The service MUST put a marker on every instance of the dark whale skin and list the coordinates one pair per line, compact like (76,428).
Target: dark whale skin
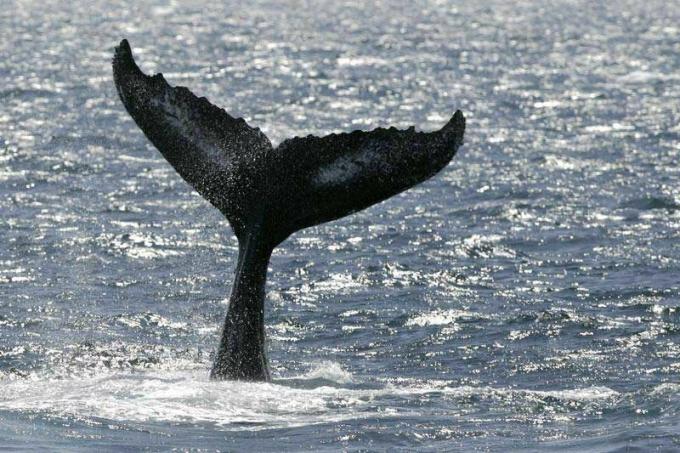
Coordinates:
(268,193)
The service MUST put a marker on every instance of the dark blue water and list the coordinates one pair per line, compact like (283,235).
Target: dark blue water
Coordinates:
(527,297)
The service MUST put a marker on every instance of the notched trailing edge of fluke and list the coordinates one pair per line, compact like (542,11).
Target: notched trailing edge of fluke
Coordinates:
(455,126)
(124,65)
(126,71)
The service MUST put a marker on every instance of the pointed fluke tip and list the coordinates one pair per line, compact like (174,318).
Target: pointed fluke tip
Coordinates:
(458,120)
(455,128)
(123,50)
(123,61)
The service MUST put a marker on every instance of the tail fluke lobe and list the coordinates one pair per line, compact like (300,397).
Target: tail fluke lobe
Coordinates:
(209,148)
(340,174)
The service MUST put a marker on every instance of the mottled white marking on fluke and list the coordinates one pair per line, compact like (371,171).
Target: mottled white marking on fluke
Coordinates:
(344,169)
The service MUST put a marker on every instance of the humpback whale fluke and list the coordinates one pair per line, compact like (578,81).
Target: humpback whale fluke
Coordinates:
(268,193)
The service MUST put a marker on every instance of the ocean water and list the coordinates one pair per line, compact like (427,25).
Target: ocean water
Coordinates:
(528,297)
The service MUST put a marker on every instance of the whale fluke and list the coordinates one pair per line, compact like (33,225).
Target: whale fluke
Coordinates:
(268,193)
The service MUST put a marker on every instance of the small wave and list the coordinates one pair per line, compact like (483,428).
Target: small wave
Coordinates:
(636,77)
(608,128)
(484,246)
(659,309)
(337,282)
(585,394)
(668,388)
(360,60)
(442,317)
(329,371)
(30,93)
(149,320)
(564,163)
(652,202)
(139,246)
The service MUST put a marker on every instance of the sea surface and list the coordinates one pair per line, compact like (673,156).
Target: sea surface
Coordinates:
(528,297)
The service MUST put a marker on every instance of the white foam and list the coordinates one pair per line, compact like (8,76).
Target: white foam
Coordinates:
(190,397)
(362,60)
(644,77)
(141,320)
(440,317)
(180,397)
(330,371)
(585,394)
(666,388)
(606,128)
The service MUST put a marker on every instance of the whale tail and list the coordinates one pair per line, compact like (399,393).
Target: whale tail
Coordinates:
(268,193)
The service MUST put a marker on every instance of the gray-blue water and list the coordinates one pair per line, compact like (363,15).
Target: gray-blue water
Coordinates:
(526,297)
